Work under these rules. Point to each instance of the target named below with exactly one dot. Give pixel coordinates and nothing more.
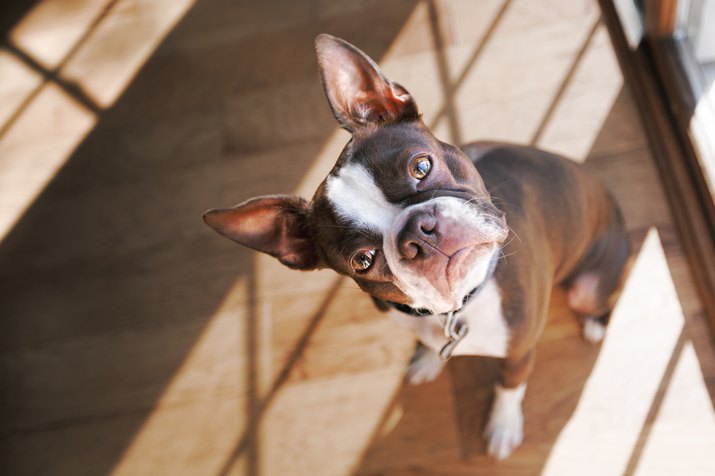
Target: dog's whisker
(501, 185)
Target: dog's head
(406, 216)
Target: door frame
(661, 73)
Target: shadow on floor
(110, 276)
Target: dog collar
(426, 312)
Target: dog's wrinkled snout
(416, 235)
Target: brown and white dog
(422, 226)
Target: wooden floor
(136, 341)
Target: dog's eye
(420, 167)
(362, 260)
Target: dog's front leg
(425, 365)
(505, 428)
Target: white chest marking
(359, 200)
(488, 330)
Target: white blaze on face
(358, 200)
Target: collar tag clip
(455, 330)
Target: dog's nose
(418, 236)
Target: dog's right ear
(357, 91)
(276, 225)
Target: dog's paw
(505, 430)
(425, 366)
(593, 330)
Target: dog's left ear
(357, 91)
(273, 224)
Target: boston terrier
(461, 246)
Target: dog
(461, 246)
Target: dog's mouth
(448, 284)
(467, 269)
(460, 262)
(440, 250)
